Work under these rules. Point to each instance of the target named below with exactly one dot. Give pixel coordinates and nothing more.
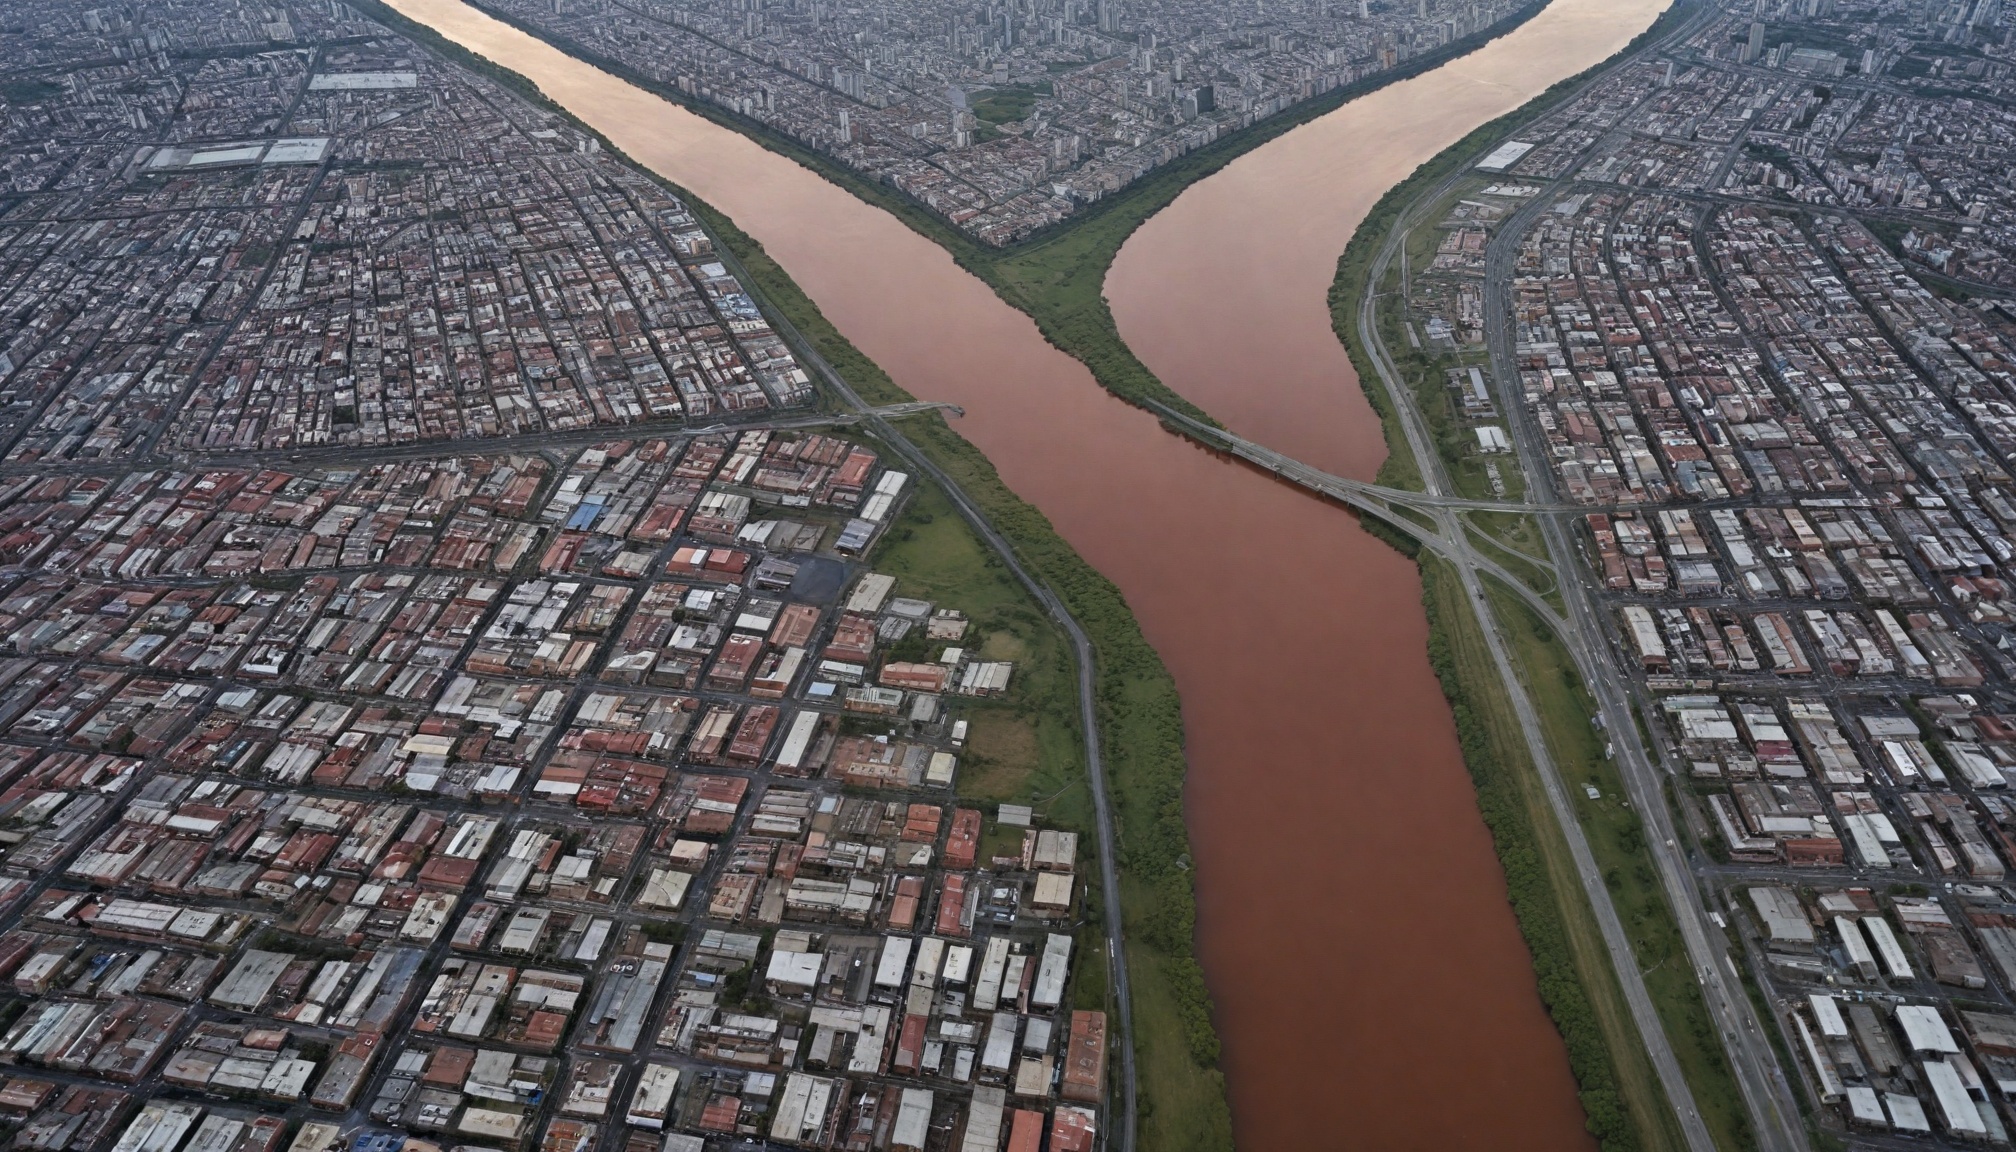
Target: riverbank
(1625, 1103)
(1182, 1105)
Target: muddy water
(1223, 293)
(1373, 990)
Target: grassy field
(1533, 575)
(1025, 747)
(1513, 530)
(1007, 104)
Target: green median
(1617, 839)
(1621, 1096)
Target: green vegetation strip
(1621, 1097)
(1625, 1106)
(1026, 747)
(1182, 1092)
(1617, 838)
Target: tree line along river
(1371, 986)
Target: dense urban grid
(1740, 302)
(542, 790)
(447, 697)
(1004, 117)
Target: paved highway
(1391, 505)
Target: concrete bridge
(1390, 505)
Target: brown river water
(1371, 985)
